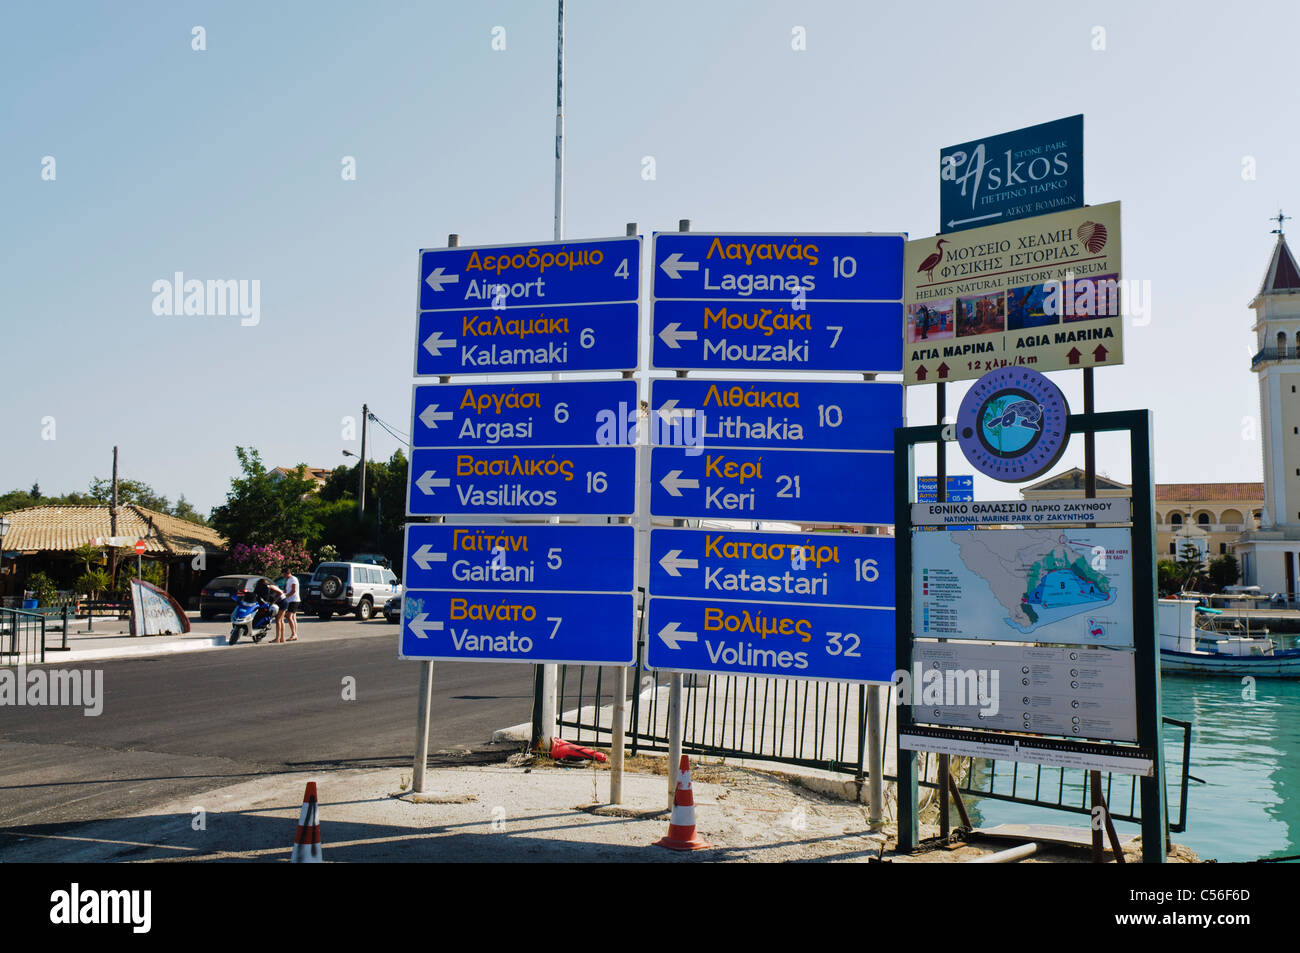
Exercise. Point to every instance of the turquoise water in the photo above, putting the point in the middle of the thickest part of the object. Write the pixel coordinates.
(1247, 750)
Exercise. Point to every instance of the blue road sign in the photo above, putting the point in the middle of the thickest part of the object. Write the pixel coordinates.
(593, 337)
(741, 638)
(546, 481)
(594, 628)
(783, 415)
(1031, 171)
(777, 302)
(570, 413)
(743, 267)
(548, 306)
(538, 274)
(804, 486)
(804, 568)
(517, 558)
(826, 336)
(960, 488)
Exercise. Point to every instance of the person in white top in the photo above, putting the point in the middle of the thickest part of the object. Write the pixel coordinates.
(289, 607)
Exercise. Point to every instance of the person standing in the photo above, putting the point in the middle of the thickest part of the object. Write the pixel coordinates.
(292, 599)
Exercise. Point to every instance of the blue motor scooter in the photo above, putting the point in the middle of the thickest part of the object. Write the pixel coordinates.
(251, 618)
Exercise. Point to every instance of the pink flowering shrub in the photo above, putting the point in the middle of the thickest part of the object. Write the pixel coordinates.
(271, 560)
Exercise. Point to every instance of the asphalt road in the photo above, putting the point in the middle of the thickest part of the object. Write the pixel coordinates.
(191, 722)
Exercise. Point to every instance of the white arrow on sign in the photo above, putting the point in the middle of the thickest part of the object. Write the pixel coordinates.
(421, 626)
(670, 411)
(672, 562)
(673, 265)
(977, 218)
(672, 635)
(430, 416)
(434, 343)
(427, 483)
(674, 484)
(673, 337)
(437, 279)
(424, 556)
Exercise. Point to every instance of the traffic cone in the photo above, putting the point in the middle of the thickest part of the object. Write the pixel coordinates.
(561, 749)
(681, 826)
(306, 843)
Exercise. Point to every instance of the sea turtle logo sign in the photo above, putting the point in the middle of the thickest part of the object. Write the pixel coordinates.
(1012, 424)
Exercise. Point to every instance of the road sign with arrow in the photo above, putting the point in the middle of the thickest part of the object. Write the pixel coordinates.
(777, 302)
(550, 481)
(544, 627)
(569, 413)
(520, 558)
(546, 306)
(791, 641)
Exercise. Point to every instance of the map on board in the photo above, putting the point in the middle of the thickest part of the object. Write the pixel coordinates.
(1061, 586)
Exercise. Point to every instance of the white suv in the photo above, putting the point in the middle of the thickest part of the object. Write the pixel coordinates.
(362, 588)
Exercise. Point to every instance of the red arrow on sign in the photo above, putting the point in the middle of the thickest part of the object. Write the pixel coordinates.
(139, 547)
(920, 373)
(1099, 353)
(943, 370)
(1074, 355)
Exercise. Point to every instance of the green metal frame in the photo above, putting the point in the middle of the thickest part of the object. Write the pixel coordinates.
(1146, 635)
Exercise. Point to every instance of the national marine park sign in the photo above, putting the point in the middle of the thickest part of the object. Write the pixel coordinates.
(1041, 292)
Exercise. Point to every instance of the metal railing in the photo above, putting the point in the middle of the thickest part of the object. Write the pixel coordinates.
(22, 636)
(1275, 354)
(820, 725)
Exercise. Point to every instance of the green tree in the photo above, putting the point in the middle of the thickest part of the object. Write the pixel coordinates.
(1190, 564)
(1224, 571)
(261, 508)
(43, 588)
(92, 582)
(1168, 576)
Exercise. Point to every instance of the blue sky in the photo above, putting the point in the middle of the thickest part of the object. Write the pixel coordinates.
(225, 164)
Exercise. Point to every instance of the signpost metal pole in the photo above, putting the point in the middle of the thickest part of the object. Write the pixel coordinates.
(675, 679)
(875, 756)
(904, 758)
(424, 701)
(549, 681)
(941, 496)
(618, 726)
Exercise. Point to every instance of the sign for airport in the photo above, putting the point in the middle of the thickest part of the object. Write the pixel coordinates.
(801, 302)
(1033, 171)
(797, 568)
(545, 306)
(783, 415)
(587, 628)
(834, 643)
(518, 558)
(525, 481)
(568, 413)
(1042, 293)
(802, 486)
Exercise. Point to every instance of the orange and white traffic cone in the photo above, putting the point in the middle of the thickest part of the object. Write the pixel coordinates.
(681, 826)
(306, 843)
(561, 749)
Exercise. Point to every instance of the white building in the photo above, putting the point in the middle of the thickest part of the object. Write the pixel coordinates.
(1270, 555)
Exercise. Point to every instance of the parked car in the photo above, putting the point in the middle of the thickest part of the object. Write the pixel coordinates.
(219, 595)
(351, 587)
(393, 609)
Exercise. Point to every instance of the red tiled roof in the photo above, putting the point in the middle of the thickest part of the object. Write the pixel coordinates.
(1229, 492)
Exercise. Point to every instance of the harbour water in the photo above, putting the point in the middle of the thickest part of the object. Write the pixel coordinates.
(1245, 747)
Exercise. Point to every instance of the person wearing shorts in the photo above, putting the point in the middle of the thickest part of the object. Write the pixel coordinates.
(289, 606)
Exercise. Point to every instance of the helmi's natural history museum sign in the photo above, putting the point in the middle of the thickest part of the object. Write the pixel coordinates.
(1041, 292)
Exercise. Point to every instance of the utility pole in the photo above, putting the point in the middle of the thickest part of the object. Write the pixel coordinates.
(112, 525)
(361, 497)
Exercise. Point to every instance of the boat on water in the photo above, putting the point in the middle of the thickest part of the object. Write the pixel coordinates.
(1195, 639)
